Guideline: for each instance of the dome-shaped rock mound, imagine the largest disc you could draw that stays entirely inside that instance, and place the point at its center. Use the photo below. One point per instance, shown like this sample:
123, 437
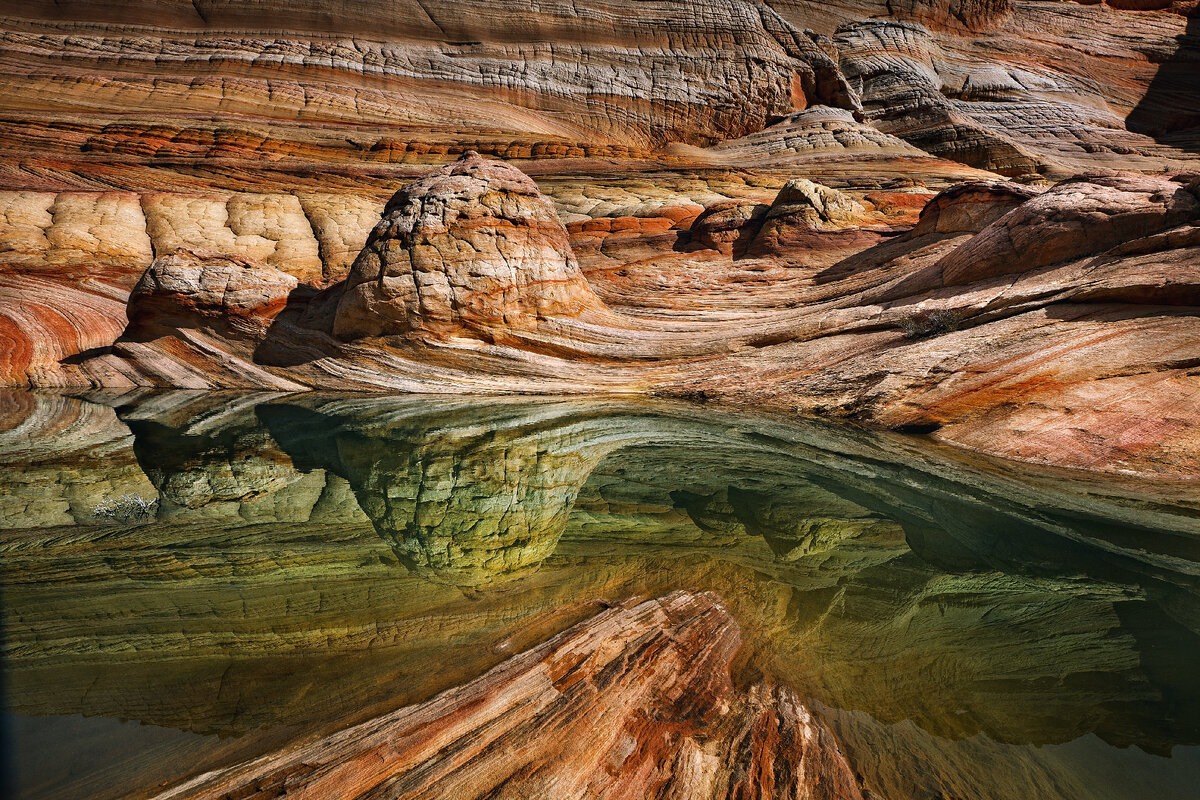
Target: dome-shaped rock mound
970, 207
471, 249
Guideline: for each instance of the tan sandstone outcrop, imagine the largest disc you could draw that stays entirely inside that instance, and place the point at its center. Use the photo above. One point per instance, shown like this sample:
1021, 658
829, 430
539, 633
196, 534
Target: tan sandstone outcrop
803, 215
1076, 218
637, 701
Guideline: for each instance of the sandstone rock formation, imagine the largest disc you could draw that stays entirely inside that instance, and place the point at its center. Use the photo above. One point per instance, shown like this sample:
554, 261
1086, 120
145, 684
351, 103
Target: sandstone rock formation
802, 215
473, 248
1075, 219
661, 136
820, 302
971, 207
974, 220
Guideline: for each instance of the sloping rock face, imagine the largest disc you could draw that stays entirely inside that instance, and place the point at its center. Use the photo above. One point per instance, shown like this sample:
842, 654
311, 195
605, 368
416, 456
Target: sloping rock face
971, 207
982, 82
694, 71
1075, 219
637, 701
472, 248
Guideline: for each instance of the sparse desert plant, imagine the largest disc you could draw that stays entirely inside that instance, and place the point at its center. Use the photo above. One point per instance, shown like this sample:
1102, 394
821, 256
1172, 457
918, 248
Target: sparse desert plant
126, 509
923, 324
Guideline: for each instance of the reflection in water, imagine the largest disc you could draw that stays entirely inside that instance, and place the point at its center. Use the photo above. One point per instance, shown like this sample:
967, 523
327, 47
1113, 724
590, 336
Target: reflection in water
461, 495
996, 630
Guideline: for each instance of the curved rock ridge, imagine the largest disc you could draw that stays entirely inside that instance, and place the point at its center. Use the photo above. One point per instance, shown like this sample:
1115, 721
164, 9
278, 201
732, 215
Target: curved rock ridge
1077, 218
971, 207
473, 248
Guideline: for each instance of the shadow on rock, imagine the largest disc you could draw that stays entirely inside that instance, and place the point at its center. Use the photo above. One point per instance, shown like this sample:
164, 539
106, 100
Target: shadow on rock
1170, 110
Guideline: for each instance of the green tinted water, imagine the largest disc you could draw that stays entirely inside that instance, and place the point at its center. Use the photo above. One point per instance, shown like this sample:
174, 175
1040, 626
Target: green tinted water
969, 628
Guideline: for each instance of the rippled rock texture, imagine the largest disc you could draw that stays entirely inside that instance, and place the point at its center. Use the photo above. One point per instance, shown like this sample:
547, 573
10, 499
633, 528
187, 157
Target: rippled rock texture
1047, 324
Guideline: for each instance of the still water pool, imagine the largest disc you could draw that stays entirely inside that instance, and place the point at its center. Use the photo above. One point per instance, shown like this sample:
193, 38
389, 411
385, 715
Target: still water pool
193, 579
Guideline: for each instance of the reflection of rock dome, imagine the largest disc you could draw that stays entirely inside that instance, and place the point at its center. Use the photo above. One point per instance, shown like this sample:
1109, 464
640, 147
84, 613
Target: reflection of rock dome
460, 499
471, 514
998, 631
210, 458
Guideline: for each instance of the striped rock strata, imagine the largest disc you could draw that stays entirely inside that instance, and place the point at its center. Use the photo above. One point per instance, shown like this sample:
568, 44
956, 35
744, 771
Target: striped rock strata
473, 247
985, 83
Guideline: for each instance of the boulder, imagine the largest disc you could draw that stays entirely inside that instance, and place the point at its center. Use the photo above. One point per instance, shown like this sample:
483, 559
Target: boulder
193, 288
810, 216
970, 207
728, 225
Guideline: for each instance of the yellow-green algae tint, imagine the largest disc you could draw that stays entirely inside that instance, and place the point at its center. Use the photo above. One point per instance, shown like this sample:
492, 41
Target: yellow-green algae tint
969, 628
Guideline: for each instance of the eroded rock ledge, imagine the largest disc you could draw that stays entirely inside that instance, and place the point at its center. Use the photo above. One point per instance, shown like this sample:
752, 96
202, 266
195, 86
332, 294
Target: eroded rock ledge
636, 702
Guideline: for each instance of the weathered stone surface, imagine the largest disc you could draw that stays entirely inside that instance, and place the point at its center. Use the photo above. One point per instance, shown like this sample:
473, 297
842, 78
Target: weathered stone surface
728, 226
473, 248
275, 134
971, 207
40, 229
207, 288
1076, 218
269, 228
802, 217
